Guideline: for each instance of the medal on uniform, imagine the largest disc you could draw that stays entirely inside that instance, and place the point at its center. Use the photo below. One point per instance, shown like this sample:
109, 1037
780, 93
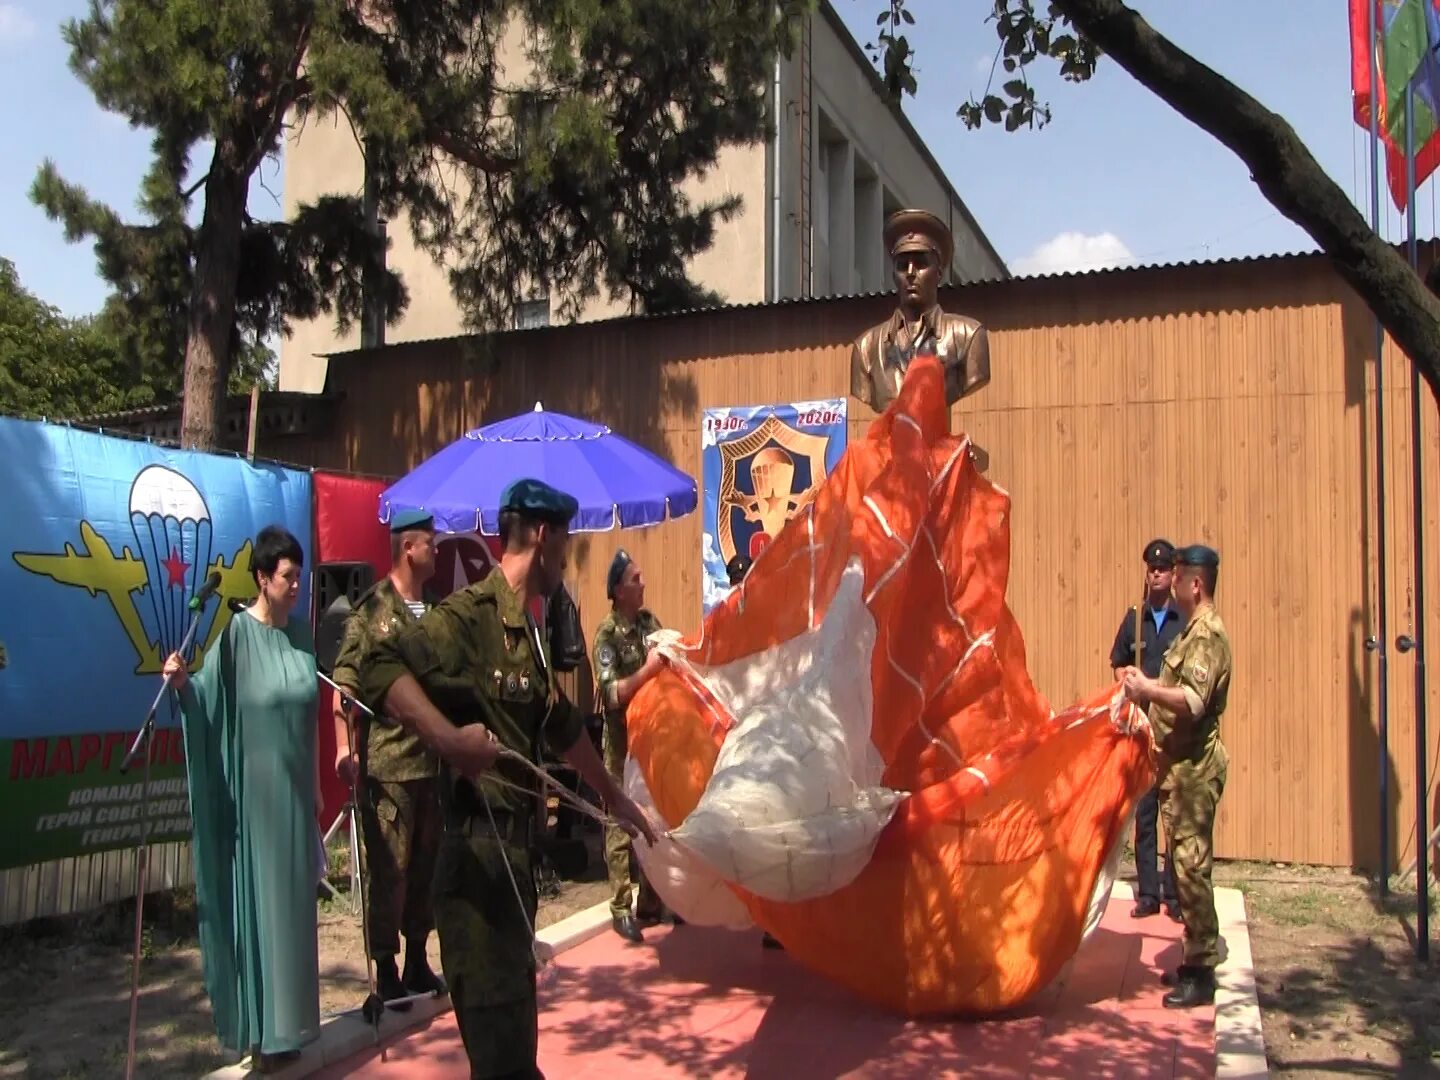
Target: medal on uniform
524, 683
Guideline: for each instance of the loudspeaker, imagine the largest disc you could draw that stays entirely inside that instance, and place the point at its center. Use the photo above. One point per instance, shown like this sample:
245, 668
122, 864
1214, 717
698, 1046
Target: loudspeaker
337, 579
337, 586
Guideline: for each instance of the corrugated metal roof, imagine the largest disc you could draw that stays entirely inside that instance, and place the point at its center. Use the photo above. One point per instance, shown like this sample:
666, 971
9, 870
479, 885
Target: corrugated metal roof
270, 398
805, 301
145, 412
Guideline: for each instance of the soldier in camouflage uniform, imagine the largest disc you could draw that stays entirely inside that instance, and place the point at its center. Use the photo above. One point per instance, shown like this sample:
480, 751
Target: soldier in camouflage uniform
1185, 705
470, 679
398, 804
623, 665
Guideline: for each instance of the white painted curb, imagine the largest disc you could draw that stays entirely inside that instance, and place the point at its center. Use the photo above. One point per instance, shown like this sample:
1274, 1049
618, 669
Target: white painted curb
1239, 1037
344, 1036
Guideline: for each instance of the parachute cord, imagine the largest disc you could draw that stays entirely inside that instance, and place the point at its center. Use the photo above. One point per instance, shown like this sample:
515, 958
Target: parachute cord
575, 801
544, 954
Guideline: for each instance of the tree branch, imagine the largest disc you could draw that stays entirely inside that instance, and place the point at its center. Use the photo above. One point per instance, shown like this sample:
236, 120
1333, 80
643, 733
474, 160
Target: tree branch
270, 113
189, 192
476, 158
1281, 166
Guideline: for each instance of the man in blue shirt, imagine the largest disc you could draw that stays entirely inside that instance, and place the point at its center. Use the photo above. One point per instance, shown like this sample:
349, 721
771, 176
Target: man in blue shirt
1160, 624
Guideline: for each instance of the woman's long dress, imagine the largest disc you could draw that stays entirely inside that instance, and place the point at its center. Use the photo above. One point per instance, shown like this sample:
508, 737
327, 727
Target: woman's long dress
249, 718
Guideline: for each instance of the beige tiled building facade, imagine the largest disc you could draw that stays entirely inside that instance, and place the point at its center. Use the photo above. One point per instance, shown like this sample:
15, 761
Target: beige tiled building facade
814, 202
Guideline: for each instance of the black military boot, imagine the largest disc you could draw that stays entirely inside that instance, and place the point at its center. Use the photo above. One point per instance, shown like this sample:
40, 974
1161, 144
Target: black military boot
628, 928
418, 978
388, 984
1194, 986
1172, 978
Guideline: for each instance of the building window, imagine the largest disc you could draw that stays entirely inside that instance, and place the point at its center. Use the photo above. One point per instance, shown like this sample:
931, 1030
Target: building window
530, 314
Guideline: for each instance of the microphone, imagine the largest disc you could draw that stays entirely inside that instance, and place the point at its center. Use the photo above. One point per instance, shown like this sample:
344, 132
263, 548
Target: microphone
205, 591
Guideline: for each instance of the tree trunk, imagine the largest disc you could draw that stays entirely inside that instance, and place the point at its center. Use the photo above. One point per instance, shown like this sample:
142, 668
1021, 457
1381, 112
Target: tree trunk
212, 305
1281, 167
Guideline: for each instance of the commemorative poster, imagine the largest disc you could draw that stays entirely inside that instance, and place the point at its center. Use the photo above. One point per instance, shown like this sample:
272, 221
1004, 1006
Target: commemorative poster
761, 465
103, 545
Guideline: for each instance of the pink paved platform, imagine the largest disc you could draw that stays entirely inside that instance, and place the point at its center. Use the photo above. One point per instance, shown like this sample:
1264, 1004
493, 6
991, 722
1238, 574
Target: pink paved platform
693, 1002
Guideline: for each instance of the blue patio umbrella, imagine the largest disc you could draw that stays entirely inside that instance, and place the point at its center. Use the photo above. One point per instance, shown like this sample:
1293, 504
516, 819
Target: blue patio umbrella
617, 483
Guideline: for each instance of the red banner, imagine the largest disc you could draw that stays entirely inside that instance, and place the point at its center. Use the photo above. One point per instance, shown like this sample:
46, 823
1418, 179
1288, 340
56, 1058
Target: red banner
347, 522
347, 529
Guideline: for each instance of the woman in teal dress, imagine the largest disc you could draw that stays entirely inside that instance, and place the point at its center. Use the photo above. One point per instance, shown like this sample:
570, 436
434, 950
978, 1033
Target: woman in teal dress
249, 720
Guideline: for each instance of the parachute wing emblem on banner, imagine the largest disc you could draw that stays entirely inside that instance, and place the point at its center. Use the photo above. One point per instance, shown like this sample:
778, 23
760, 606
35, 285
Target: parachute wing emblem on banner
782, 468
171, 526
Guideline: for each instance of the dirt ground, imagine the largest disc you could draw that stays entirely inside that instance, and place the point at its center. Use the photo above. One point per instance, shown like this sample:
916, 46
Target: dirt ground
1340, 990
65, 983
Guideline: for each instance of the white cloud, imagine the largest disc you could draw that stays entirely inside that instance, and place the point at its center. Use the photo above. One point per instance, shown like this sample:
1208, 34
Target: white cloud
1074, 251
15, 25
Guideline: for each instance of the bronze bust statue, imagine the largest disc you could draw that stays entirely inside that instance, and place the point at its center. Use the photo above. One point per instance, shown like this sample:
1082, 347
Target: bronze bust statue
921, 248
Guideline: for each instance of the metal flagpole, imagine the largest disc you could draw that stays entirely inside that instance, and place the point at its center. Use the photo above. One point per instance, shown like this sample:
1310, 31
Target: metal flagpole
1377, 642
1416, 641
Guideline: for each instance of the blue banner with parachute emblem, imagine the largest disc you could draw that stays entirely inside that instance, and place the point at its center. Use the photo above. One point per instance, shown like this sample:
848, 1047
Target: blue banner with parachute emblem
761, 465
104, 542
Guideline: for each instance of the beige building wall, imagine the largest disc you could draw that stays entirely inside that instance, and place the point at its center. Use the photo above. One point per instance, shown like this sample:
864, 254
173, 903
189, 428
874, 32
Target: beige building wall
846, 158
867, 161
325, 159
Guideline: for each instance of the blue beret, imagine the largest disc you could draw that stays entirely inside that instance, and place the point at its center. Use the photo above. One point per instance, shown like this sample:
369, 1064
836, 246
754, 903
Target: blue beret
538, 499
1197, 555
617, 571
737, 568
405, 520
1160, 553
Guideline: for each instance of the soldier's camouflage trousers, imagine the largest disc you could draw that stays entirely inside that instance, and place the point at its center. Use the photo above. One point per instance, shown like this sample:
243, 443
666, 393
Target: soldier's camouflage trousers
620, 860
485, 943
401, 823
1188, 812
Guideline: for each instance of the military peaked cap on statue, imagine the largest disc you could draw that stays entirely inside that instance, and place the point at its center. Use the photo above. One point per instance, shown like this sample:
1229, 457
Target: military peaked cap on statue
537, 499
1197, 555
406, 520
617, 571
920, 230
1160, 553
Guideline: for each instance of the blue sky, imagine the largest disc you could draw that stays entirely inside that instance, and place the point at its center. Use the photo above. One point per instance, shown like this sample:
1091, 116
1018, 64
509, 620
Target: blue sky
1116, 176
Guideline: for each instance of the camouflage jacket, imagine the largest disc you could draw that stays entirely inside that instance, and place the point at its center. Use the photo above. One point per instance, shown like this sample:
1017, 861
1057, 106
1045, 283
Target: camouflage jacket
391, 752
475, 657
1198, 660
620, 652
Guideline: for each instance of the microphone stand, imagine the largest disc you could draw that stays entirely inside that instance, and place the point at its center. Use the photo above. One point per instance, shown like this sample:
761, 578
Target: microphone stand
373, 1007
142, 849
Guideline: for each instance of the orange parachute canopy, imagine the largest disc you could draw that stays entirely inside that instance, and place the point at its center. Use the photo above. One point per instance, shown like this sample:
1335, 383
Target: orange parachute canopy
852, 755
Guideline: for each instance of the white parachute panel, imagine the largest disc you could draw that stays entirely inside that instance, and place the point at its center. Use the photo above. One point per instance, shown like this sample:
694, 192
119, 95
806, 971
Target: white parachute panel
795, 805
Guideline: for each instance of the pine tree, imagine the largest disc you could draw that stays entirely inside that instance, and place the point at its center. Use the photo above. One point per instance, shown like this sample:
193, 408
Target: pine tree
60, 368
565, 172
